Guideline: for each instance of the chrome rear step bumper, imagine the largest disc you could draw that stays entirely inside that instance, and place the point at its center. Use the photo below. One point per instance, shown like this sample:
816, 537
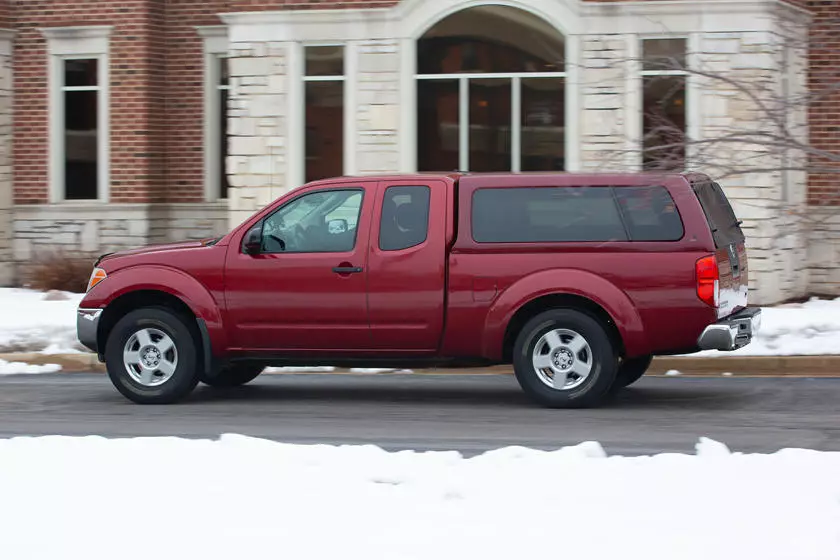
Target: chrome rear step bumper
733, 332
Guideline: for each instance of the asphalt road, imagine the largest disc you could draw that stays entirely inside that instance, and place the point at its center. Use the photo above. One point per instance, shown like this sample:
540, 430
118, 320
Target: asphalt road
468, 413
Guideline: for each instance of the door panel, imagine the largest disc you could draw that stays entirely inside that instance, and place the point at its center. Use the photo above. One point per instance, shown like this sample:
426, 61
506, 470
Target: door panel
407, 273
307, 289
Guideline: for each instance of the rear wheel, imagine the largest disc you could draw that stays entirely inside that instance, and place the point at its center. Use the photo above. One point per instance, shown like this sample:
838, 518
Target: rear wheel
564, 358
233, 376
151, 356
631, 370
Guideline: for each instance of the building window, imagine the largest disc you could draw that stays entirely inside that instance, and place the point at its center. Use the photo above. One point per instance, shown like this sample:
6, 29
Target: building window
80, 91
216, 90
78, 112
491, 93
664, 79
222, 89
324, 112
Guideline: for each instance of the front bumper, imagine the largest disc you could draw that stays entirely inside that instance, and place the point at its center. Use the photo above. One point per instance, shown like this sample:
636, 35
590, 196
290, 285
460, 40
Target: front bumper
733, 332
87, 327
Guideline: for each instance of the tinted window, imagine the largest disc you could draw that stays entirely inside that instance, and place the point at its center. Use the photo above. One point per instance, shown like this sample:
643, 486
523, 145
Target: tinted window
546, 214
318, 222
649, 213
719, 214
405, 218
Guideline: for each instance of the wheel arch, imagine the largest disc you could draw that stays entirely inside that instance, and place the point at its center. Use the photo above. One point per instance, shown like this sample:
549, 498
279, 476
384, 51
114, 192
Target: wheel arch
137, 299
558, 288
558, 301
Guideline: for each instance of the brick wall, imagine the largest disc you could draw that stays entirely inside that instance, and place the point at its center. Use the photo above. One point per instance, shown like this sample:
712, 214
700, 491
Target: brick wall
137, 99
184, 87
5, 13
156, 95
825, 106
261, 5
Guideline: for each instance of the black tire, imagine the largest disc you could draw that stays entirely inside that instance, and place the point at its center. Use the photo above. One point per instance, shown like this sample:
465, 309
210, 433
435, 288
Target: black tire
183, 334
232, 376
604, 360
631, 370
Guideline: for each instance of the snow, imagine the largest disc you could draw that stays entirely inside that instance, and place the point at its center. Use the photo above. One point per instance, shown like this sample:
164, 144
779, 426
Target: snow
33, 321
237, 497
810, 328
16, 368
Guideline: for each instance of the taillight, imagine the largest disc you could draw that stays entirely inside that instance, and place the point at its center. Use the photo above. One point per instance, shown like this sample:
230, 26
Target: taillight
708, 280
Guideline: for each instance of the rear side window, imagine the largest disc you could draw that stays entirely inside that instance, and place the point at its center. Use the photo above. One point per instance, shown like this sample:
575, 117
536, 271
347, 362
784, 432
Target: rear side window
405, 217
725, 227
546, 214
650, 213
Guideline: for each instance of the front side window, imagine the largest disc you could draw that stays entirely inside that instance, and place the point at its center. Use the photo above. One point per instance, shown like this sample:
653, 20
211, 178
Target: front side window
546, 214
318, 222
80, 96
405, 217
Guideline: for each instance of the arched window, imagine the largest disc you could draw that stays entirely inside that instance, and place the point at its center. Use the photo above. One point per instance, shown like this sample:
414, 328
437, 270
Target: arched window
490, 93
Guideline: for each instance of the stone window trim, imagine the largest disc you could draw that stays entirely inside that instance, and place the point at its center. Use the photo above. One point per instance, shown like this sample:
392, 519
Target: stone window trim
296, 109
405, 22
7, 37
74, 43
635, 75
215, 46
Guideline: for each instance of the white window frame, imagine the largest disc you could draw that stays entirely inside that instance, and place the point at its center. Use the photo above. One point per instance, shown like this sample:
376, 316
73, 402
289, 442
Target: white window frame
639, 76
216, 47
78, 43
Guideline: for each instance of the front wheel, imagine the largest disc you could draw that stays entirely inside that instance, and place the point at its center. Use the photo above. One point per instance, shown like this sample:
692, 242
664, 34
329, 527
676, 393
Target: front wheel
564, 358
232, 376
151, 356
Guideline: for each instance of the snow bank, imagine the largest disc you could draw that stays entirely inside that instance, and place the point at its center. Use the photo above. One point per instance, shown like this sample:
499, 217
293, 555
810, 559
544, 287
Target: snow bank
169, 498
32, 321
15, 368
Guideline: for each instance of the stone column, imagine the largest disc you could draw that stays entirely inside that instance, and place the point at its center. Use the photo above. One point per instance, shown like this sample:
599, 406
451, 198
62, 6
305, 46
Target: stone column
742, 89
6, 184
257, 126
604, 115
377, 106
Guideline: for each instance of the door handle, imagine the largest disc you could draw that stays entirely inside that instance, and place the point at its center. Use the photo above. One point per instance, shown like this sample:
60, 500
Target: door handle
347, 269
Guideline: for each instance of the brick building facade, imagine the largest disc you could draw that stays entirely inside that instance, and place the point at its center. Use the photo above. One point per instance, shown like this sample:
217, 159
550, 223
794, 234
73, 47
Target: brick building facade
137, 121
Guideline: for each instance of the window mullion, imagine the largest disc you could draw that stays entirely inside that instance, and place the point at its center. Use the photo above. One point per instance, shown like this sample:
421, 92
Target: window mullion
463, 124
516, 125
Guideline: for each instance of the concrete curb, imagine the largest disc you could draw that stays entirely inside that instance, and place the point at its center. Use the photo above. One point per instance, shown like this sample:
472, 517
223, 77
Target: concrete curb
781, 366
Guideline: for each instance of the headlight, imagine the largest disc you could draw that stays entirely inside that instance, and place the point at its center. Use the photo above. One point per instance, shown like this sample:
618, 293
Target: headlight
97, 276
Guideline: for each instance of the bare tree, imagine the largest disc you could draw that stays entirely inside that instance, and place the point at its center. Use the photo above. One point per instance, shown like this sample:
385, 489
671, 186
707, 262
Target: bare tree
770, 113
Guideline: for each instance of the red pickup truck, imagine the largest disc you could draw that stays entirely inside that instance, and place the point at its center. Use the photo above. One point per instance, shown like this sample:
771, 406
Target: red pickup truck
575, 279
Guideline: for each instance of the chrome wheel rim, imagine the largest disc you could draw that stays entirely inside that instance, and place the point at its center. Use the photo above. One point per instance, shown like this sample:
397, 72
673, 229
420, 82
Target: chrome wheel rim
562, 359
150, 357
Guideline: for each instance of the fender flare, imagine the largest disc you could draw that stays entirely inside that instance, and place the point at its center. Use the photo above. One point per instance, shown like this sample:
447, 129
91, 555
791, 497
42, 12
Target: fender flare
570, 282
170, 281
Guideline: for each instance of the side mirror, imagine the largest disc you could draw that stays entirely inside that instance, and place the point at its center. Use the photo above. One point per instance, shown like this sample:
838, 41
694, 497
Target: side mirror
336, 226
252, 244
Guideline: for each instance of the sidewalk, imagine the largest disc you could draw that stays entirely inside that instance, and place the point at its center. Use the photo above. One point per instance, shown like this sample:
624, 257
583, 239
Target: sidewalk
39, 329
787, 366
